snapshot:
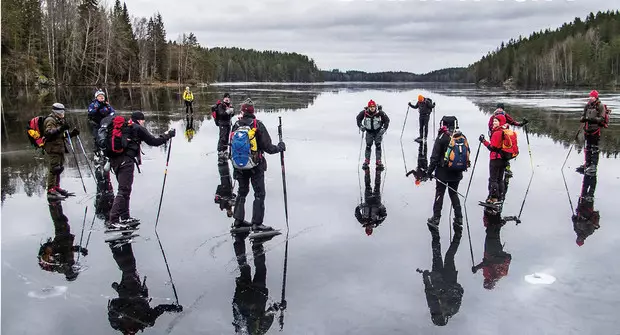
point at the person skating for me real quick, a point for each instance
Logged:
(58, 255)
(188, 97)
(497, 163)
(593, 118)
(222, 113)
(130, 312)
(509, 121)
(375, 123)
(495, 262)
(55, 147)
(586, 219)
(371, 213)
(98, 109)
(249, 141)
(123, 166)
(443, 292)
(448, 168)
(425, 107)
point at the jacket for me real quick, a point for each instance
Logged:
(55, 130)
(593, 116)
(497, 138)
(97, 111)
(373, 122)
(222, 117)
(425, 107)
(509, 119)
(139, 135)
(263, 140)
(437, 163)
(188, 96)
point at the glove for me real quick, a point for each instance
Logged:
(429, 174)
(524, 122)
(362, 129)
(382, 131)
(481, 138)
(171, 133)
(230, 111)
(63, 127)
(410, 105)
(74, 132)
(379, 108)
(172, 308)
(281, 147)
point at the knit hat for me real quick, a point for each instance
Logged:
(137, 116)
(579, 241)
(372, 103)
(420, 98)
(98, 93)
(247, 106)
(500, 105)
(501, 118)
(58, 109)
(594, 94)
(187, 88)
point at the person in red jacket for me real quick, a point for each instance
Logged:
(497, 164)
(509, 121)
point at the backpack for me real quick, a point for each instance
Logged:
(114, 136)
(214, 111)
(457, 155)
(35, 130)
(606, 116)
(243, 147)
(510, 147)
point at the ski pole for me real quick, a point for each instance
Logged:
(174, 289)
(161, 197)
(473, 169)
(527, 190)
(401, 139)
(283, 172)
(77, 164)
(82, 234)
(450, 188)
(282, 306)
(434, 132)
(79, 140)
(572, 145)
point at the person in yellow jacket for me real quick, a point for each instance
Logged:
(188, 96)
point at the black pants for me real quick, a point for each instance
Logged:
(591, 150)
(376, 138)
(497, 168)
(440, 191)
(188, 106)
(222, 144)
(123, 167)
(424, 125)
(257, 177)
(225, 187)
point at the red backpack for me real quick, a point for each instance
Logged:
(35, 130)
(118, 136)
(606, 116)
(510, 146)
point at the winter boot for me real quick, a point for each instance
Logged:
(260, 227)
(240, 224)
(590, 170)
(380, 166)
(433, 222)
(581, 169)
(123, 224)
(64, 193)
(419, 139)
(53, 194)
(365, 165)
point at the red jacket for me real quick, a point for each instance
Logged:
(509, 119)
(497, 136)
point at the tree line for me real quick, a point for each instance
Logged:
(580, 53)
(456, 75)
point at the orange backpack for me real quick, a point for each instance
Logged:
(510, 147)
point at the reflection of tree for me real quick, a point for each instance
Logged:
(559, 126)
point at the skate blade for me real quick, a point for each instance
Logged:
(264, 235)
(121, 238)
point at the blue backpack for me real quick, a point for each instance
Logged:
(457, 155)
(243, 147)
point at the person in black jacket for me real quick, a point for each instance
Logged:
(123, 167)
(375, 123)
(256, 174)
(223, 112)
(425, 106)
(443, 292)
(445, 175)
(131, 312)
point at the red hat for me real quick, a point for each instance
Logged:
(579, 241)
(594, 94)
(501, 118)
(371, 103)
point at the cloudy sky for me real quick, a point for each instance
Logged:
(369, 35)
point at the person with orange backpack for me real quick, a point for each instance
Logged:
(500, 110)
(503, 147)
(595, 116)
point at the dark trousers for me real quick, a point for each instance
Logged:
(257, 177)
(123, 167)
(222, 143)
(56, 166)
(591, 150)
(225, 187)
(188, 106)
(424, 125)
(440, 191)
(496, 178)
(373, 137)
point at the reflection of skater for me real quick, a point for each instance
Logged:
(57, 255)
(131, 312)
(496, 261)
(250, 312)
(371, 213)
(443, 292)
(224, 195)
(586, 219)
(189, 127)
(425, 106)
(375, 123)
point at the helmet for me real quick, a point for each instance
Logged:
(372, 103)
(98, 93)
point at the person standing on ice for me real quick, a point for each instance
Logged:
(593, 118)
(375, 123)
(510, 121)
(425, 107)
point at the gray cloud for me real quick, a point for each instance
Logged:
(379, 35)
